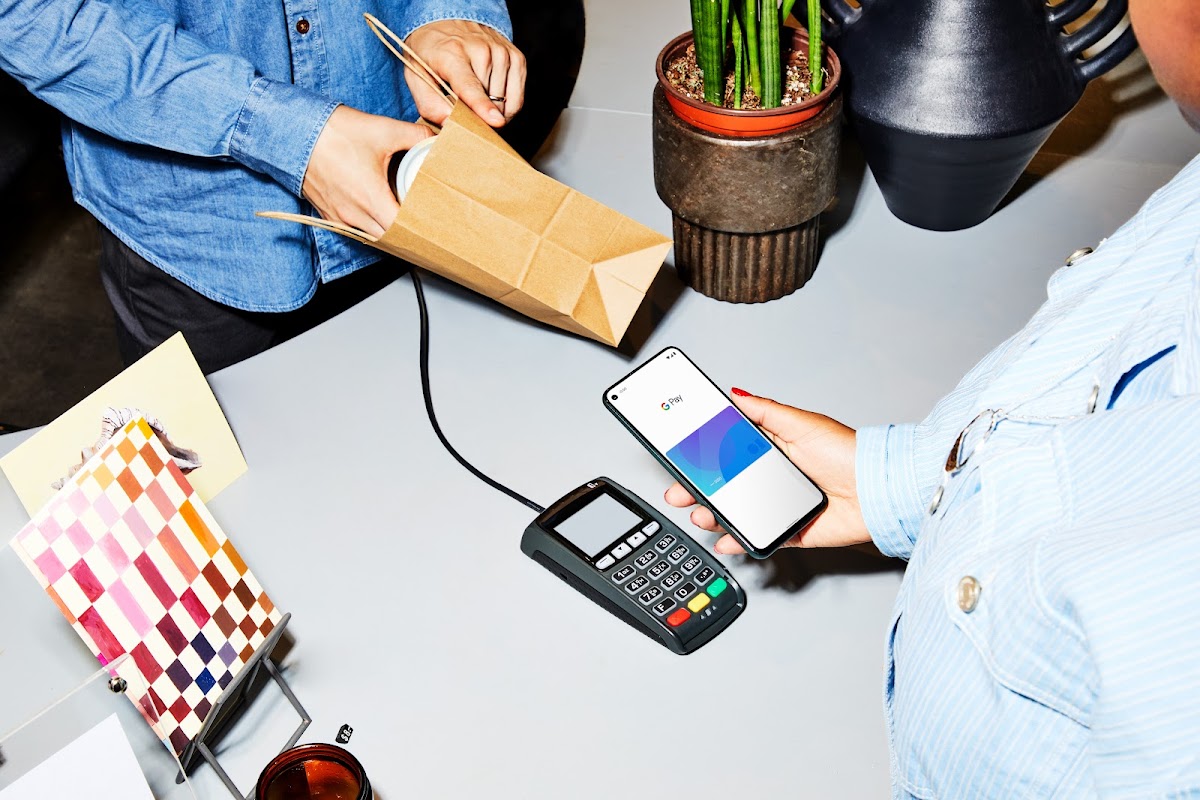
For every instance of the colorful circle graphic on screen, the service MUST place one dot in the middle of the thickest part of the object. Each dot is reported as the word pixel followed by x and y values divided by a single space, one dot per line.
pixel 666 406
pixel 717 452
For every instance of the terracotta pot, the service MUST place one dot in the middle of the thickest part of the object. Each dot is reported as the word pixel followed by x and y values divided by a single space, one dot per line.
pixel 746 210
pixel 744 122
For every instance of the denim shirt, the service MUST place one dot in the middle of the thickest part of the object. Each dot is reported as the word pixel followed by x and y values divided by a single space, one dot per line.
pixel 1076 670
pixel 184 117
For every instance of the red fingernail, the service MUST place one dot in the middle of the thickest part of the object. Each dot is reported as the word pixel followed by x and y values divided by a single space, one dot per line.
pixel 740 392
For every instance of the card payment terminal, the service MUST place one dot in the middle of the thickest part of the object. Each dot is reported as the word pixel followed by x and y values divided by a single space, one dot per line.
pixel 610 545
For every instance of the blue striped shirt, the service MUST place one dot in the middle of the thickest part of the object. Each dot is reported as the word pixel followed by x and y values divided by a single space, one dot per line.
pixel 1076 673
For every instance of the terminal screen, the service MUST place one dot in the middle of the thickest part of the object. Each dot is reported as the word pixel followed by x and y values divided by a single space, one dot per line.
pixel 596 525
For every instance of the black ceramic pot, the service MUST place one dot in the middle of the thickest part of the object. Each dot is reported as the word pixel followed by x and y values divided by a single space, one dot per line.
pixel 951 99
pixel 746 211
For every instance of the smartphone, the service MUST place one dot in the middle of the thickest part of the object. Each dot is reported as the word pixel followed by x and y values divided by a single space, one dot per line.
pixel 759 496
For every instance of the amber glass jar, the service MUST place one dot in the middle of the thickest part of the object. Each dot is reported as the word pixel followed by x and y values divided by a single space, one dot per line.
pixel 314 772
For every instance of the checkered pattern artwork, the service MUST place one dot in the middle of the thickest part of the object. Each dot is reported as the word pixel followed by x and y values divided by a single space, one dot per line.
pixel 137 565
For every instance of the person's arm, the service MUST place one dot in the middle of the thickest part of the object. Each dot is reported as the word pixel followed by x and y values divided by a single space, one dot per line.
pixel 899 467
pixel 124 68
pixel 879 480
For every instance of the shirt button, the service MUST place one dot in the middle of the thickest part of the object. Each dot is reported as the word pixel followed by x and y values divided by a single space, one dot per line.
pixel 302 26
pixel 968 594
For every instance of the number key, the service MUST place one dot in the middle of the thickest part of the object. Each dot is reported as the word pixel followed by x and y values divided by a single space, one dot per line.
pixel 671 580
pixel 658 569
pixel 691 565
pixel 662 544
pixel 637 584
pixel 623 574
pixel 650 595
pixel 683 591
pixel 678 553
pixel 645 558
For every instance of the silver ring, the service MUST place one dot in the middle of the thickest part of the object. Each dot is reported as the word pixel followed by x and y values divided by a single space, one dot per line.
pixel 496 99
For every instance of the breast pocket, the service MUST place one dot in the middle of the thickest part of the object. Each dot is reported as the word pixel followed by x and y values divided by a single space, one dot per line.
pixel 1035 659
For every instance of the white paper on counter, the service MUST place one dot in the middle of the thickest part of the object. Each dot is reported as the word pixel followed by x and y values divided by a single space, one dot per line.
pixel 99 765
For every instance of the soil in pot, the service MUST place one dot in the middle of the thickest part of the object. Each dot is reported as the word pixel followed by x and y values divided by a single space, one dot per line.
pixel 684 75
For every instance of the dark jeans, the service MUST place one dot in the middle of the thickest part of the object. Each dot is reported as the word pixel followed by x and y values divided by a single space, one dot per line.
pixel 151 306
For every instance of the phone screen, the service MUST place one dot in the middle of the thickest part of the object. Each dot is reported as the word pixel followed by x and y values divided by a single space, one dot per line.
pixel 695 427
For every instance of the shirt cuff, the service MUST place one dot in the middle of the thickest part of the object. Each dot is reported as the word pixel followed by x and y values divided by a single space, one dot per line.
pixel 888 492
pixel 277 128
pixel 485 14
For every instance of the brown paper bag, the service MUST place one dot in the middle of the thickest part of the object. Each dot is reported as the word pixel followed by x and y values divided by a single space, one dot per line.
pixel 479 215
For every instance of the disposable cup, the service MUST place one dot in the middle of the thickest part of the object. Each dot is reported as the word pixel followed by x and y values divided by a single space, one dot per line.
pixel 410 164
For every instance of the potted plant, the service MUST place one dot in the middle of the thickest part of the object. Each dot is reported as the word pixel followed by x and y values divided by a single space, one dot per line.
pixel 747 131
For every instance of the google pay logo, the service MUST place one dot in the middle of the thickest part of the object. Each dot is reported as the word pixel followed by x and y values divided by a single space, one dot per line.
pixel 672 401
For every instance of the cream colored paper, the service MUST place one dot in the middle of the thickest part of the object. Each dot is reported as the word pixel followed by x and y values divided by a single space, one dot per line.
pixel 168 383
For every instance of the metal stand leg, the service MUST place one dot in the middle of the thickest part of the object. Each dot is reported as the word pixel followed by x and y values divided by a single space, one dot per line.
pixel 229 703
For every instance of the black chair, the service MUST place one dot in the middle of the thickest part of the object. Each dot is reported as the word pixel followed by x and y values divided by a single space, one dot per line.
pixel 27 128
pixel 551 37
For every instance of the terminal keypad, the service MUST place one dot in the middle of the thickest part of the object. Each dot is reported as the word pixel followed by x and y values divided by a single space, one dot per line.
pixel 664 575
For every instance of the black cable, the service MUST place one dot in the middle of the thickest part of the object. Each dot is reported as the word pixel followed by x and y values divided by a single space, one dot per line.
pixel 416 282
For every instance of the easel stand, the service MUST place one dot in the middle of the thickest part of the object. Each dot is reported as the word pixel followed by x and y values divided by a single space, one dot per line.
pixel 234 697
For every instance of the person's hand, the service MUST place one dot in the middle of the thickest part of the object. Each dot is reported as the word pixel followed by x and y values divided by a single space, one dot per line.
pixel 477 62
pixel 347 176
pixel 824 449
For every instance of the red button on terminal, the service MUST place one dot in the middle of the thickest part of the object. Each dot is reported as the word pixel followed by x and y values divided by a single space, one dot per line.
pixel 678 618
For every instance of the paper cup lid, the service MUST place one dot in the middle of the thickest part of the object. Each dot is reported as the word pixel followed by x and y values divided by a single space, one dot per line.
pixel 410 165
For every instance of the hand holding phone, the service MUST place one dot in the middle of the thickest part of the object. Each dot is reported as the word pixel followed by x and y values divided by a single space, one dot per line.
pixel 824 448
pixel 751 488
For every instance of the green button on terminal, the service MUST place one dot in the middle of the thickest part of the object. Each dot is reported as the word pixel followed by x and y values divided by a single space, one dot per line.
pixel 718 586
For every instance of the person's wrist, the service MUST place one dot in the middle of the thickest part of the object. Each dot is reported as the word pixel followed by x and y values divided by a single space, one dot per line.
pixel 277 128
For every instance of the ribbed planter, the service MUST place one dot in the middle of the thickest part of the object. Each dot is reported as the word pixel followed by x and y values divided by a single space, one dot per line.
pixel 746 210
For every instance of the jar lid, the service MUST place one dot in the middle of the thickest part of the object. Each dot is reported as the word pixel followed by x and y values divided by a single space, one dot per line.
pixel 410 165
